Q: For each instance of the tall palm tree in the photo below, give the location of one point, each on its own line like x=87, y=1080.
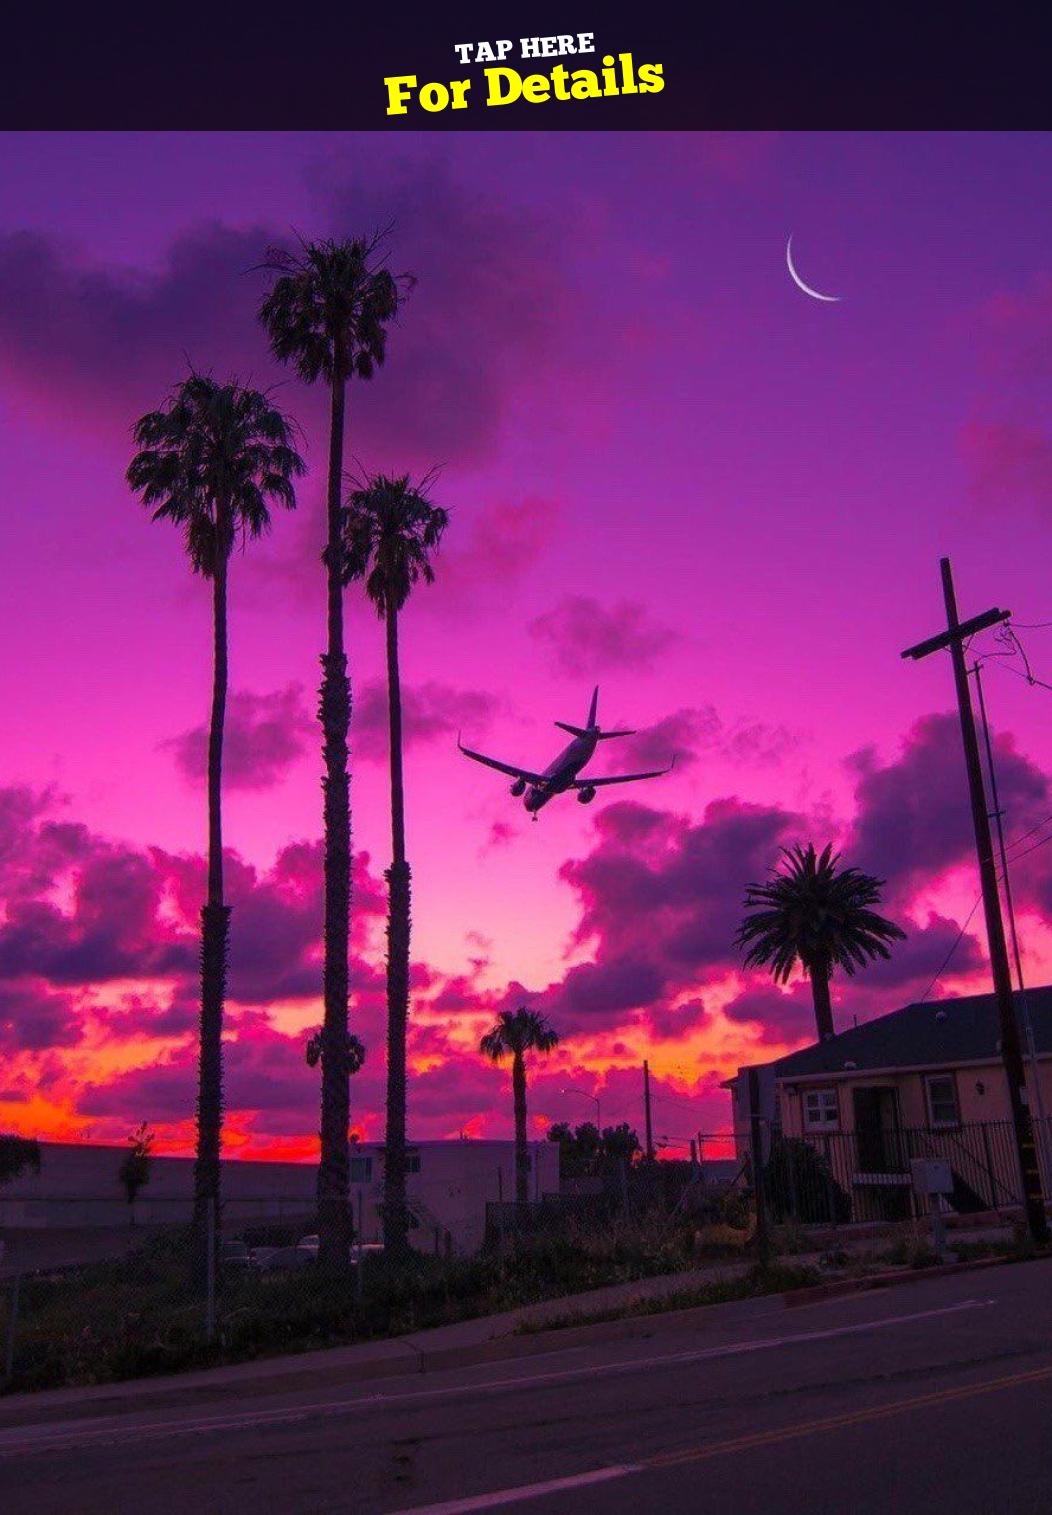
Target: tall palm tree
x=211, y=460
x=391, y=529
x=518, y=1032
x=816, y=913
x=327, y=314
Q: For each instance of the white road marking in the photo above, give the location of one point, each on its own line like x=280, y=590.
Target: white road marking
x=524, y=1491
x=49, y=1437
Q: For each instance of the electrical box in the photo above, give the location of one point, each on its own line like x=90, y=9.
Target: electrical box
x=931, y=1175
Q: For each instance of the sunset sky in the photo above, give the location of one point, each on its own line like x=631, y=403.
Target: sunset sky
x=669, y=472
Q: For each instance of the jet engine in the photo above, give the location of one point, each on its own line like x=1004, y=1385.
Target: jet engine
x=518, y=788
x=586, y=796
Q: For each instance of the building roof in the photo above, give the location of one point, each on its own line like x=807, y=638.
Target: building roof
x=933, y=1033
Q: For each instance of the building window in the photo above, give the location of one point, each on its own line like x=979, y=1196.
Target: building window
x=361, y=1170
x=821, y=1112
x=942, y=1100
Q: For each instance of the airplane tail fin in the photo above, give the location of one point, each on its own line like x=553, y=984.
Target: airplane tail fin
x=591, y=729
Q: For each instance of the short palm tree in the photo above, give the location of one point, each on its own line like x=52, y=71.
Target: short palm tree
x=391, y=529
x=327, y=314
x=517, y=1032
x=212, y=460
x=815, y=913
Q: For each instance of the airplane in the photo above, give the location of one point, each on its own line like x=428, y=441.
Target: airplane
x=558, y=777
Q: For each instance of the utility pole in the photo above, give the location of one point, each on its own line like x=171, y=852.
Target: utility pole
x=756, y=1145
x=646, y=1109
x=1011, y=1053
x=1017, y=957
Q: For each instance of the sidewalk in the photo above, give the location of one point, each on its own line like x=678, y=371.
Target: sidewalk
x=486, y=1338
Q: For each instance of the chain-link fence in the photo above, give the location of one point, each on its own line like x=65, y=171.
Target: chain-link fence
x=619, y=1193
x=93, y=1284
x=93, y=1291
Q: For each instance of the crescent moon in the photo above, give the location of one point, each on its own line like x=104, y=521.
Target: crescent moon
x=814, y=293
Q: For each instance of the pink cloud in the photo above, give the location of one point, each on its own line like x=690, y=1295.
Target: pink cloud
x=687, y=733
x=584, y=637
x=1009, y=463
x=430, y=711
x=496, y=301
x=912, y=820
x=264, y=735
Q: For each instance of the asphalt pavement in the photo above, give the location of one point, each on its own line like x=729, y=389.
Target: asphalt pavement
x=934, y=1396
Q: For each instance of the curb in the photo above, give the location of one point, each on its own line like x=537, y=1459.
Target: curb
x=402, y=1357
x=816, y=1293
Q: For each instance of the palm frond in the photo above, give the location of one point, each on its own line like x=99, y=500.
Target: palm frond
x=521, y=1030
x=211, y=461
x=814, y=913
x=390, y=530
x=329, y=306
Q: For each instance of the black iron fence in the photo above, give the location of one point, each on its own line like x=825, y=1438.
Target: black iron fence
x=836, y=1177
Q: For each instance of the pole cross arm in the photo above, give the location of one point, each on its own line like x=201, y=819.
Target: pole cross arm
x=957, y=633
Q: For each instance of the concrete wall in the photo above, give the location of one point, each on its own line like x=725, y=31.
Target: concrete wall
x=451, y=1190
x=77, y=1187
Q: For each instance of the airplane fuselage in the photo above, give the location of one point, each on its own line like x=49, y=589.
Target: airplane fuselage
x=559, y=775
x=536, y=789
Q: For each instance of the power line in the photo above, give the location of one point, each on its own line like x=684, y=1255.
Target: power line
x=957, y=942
x=1028, y=678
x=1042, y=843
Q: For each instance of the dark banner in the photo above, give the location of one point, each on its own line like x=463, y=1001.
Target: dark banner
x=556, y=68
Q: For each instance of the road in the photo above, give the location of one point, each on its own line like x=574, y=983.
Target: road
x=932, y=1396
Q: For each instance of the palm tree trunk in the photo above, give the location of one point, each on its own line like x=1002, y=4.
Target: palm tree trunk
x=334, y=1225
x=396, y=1219
x=215, y=922
x=823, y=1005
x=522, y=1155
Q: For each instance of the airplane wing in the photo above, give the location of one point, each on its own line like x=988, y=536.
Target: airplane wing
x=508, y=768
x=621, y=778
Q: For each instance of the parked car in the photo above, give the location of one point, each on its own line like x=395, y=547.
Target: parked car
x=275, y=1259
x=308, y=1245
x=363, y=1249
x=235, y=1256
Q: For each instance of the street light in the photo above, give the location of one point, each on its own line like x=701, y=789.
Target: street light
x=571, y=1089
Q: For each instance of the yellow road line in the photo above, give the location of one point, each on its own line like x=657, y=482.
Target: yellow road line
x=853, y=1418
x=527, y=1492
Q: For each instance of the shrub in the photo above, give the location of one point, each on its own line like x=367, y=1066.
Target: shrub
x=799, y=1184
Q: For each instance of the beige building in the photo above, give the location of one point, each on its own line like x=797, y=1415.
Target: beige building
x=925, y=1081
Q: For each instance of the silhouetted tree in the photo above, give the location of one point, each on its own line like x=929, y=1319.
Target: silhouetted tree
x=800, y=1185
x=619, y=1144
x=578, y=1147
x=815, y=913
x=17, y=1153
x=515, y=1033
x=391, y=530
x=211, y=461
x=133, y=1173
x=327, y=314
x=585, y=1150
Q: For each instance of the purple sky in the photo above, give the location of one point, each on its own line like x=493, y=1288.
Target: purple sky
x=669, y=472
